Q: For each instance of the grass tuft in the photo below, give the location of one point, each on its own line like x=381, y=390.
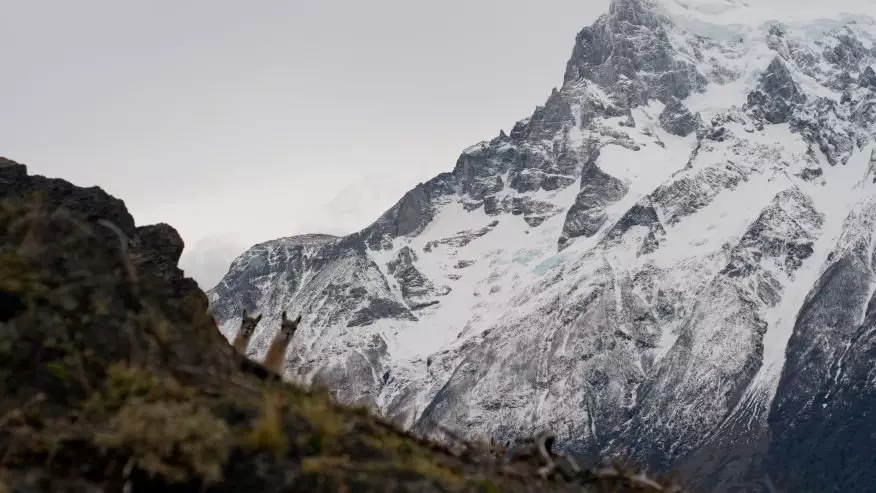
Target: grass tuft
x=173, y=440
x=267, y=433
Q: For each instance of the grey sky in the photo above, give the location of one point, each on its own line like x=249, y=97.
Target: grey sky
x=250, y=118
x=232, y=116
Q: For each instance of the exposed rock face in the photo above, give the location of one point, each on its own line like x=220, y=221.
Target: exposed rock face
x=155, y=249
x=868, y=77
x=636, y=259
x=587, y=215
x=163, y=240
x=677, y=119
x=93, y=202
x=778, y=94
x=849, y=53
x=410, y=214
x=416, y=289
x=629, y=53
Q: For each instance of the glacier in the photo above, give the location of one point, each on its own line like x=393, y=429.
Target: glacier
x=672, y=259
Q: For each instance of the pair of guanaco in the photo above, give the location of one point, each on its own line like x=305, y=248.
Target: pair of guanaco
x=276, y=356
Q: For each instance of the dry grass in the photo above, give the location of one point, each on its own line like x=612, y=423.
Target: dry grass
x=267, y=433
x=175, y=441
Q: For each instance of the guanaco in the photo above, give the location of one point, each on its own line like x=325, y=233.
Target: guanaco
x=247, y=327
x=276, y=356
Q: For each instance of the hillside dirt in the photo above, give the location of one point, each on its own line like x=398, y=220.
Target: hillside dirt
x=114, y=378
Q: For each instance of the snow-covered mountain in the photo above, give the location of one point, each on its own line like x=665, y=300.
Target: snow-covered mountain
x=673, y=258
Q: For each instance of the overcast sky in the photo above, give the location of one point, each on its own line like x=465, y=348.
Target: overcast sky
x=251, y=118
x=234, y=116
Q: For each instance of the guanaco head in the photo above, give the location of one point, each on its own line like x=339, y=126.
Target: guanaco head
x=288, y=327
x=247, y=327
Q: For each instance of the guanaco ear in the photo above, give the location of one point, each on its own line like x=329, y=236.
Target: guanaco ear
x=297, y=320
x=284, y=315
x=244, y=313
x=259, y=317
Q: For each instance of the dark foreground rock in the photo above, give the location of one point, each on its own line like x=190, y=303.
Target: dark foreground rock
x=115, y=378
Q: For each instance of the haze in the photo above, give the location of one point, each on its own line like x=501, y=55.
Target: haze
x=239, y=122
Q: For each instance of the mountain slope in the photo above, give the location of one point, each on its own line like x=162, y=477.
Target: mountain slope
x=659, y=251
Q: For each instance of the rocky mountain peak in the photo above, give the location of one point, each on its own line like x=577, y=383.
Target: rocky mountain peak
x=628, y=52
x=635, y=12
